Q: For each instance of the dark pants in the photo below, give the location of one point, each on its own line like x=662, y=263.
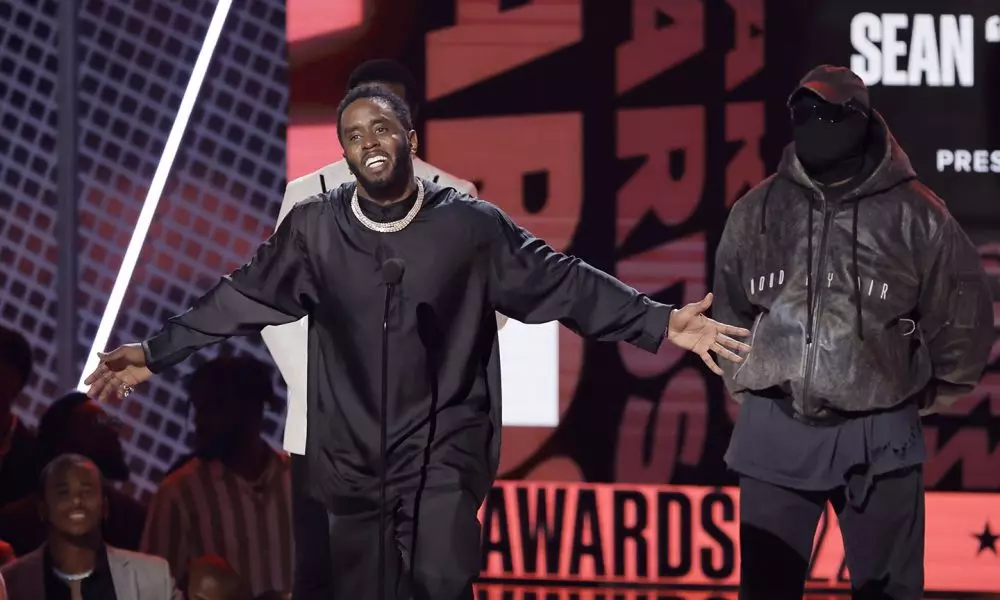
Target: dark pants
x=883, y=538
x=312, y=539
x=431, y=547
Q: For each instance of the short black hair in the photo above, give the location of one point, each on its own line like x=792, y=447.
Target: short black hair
x=55, y=423
x=384, y=70
x=241, y=378
x=375, y=91
x=62, y=461
x=15, y=351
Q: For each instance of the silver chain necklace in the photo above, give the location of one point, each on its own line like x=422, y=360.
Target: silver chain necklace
x=391, y=226
x=72, y=576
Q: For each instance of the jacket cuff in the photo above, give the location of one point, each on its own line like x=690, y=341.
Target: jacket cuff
x=150, y=349
x=655, y=325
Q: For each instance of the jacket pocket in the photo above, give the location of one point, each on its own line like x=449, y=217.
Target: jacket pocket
x=885, y=369
x=965, y=302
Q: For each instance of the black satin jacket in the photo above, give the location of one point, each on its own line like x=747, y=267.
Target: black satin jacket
x=465, y=260
x=858, y=304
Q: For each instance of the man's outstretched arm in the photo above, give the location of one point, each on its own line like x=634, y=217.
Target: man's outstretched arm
x=533, y=283
x=288, y=343
x=275, y=287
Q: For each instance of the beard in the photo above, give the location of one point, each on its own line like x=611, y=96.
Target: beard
x=393, y=180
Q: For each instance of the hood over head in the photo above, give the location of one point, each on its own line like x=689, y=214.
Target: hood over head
x=839, y=136
x=830, y=113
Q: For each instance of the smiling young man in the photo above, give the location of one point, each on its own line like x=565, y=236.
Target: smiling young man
x=75, y=563
x=465, y=259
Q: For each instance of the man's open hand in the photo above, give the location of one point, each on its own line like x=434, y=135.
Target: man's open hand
x=690, y=329
x=118, y=373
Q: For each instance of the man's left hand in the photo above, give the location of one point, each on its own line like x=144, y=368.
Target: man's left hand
x=690, y=329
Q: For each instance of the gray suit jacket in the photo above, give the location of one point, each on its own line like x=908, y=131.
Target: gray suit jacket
x=136, y=576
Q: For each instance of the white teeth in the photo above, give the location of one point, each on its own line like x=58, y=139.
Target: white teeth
x=375, y=160
x=77, y=516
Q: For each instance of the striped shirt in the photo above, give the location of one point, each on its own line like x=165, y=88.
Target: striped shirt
x=204, y=508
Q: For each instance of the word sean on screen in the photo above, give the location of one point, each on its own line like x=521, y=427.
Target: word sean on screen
x=895, y=49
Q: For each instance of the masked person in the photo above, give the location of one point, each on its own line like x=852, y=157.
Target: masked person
x=420, y=466
x=868, y=305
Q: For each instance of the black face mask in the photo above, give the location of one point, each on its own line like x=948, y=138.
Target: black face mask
x=830, y=139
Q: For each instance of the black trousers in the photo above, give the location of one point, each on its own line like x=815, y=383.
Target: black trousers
x=432, y=546
x=883, y=538
x=312, y=539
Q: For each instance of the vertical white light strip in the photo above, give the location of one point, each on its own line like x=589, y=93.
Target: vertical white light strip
x=156, y=188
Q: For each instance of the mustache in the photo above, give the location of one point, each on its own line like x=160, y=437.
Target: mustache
x=397, y=157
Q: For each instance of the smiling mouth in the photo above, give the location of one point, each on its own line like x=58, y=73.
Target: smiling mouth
x=377, y=163
x=77, y=516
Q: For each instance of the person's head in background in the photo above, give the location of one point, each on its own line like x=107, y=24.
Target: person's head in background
x=15, y=371
x=389, y=74
x=229, y=395
x=76, y=424
x=6, y=553
x=72, y=502
x=212, y=578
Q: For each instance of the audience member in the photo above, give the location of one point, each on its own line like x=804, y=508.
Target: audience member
x=18, y=463
x=233, y=499
x=212, y=578
x=78, y=425
x=75, y=563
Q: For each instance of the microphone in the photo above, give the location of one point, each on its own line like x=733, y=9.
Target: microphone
x=392, y=274
x=392, y=271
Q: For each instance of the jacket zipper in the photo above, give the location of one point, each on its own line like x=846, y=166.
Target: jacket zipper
x=817, y=307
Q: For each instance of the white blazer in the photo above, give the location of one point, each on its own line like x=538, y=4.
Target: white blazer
x=288, y=344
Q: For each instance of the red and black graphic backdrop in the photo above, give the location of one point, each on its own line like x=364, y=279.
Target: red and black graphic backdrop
x=622, y=131
x=619, y=131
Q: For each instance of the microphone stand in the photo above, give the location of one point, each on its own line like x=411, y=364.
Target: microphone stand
x=383, y=434
x=392, y=273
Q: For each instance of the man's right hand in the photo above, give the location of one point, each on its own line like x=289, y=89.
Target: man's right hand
x=118, y=373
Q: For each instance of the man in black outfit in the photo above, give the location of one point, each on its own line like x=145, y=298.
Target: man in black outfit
x=404, y=480
x=868, y=306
